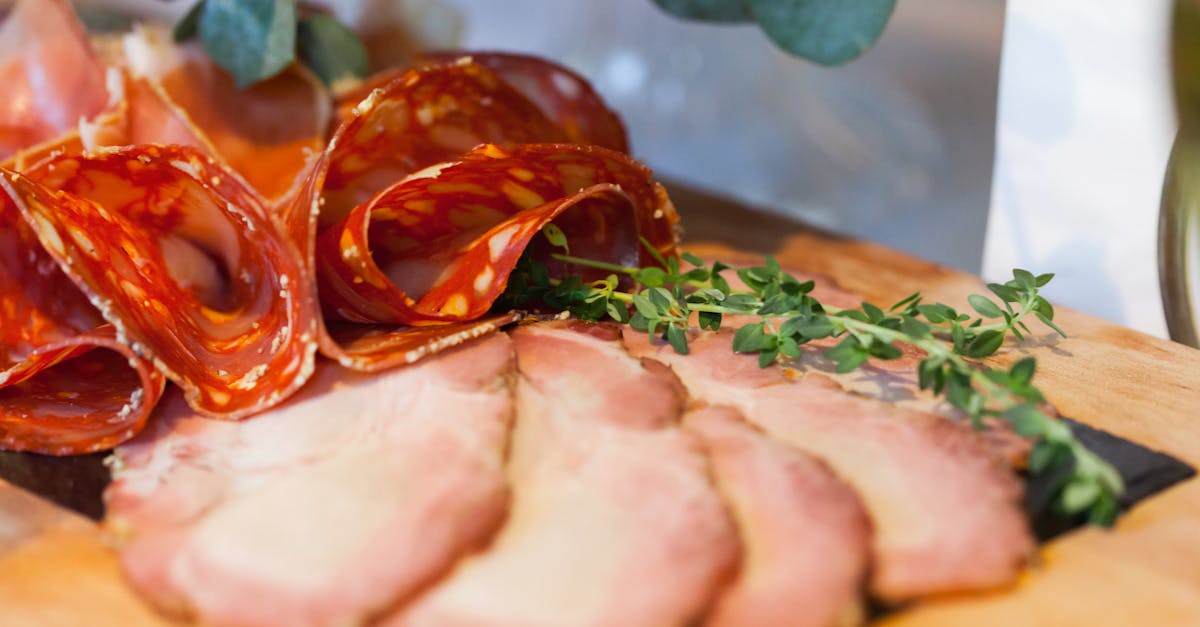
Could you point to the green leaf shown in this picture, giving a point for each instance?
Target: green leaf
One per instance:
(1026, 419)
(1025, 279)
(335, 53)
(710, 320)
(984, 307)
(1022, 371)
(874, 314)
(767, 357)
(1046, 321)
(1006, 293)
(904, 302)
(985, 344)
(1042, 279)
(1078, 495)
(914, 328)
(617, 311)
(677, 337)
(1043, 456)
(644, 307)
(829, 32)
(651, 277)
(551, 232)
(189, 26)
(1043, 307)
(253, 40)
(749, 339)
(707, 10)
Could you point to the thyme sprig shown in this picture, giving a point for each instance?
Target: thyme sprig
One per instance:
(664, 299)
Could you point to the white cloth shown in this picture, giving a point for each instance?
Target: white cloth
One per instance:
(1085, 125)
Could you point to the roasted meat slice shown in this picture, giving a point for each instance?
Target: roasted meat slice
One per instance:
(945, 507)
(805, 534)
(614, 520)
(326, 510)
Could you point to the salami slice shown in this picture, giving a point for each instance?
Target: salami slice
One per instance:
(419, 119)
(563, 95)
(51, 76)
(439, 248)
(186, 263)
(66, 385)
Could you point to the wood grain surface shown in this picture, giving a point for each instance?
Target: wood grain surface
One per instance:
(56, 570)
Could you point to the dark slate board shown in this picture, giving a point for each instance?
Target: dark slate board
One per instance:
(78, 482)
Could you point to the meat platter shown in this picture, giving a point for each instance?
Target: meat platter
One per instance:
(448, 465)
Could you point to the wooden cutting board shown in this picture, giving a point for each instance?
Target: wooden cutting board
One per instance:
(56, 570)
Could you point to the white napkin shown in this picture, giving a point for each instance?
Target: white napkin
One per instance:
(1085, 125)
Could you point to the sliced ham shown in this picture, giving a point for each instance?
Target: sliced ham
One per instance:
(805, 533)
(945, 507)
(332, 507)
(614, 521)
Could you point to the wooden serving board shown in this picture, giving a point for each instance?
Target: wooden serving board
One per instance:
(56, 570)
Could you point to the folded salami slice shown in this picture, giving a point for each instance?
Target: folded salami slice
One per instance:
(67, 386)
(51, 76)
(564, 96)
(186, 263)
(439, 248)
(421, 118)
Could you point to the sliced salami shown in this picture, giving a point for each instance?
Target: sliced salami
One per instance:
(66, 385)
(187, 265)
(439, 248)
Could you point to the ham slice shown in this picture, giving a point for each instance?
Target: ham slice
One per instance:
(945, 507)
(613, 521)
(805, 533)
(345, 500)
(50, 74)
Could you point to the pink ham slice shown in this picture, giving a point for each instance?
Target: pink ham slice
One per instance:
(613, 520)
(326, 510)
(804, 532)
(946, 509)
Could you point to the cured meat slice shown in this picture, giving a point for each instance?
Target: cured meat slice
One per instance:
(804, 531)
(186, 263)
(66, 385)
(422, 118)
(613, 521)
(350, 497)
(945, 508)
(439, 248)
(269, 132)
(375, 347)
(566, 97)
(140, 112)
(50, 74)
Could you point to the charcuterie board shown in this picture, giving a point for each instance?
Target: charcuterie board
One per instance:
(56, 569)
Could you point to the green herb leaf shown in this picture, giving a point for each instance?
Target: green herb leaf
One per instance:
(984, 344)
(677, 337)
(251, 39)
(984, 307)
(335, 53)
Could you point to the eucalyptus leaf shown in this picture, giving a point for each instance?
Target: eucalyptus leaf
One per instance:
(829, 32)
(189, 26)
(707, 10)
(253, 40)
(334, 53)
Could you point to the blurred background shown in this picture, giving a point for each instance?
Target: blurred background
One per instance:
(981, 134)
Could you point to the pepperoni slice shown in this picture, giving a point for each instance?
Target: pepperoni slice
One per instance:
(268, 132)
(66, 385)
(422, 118)
(439, 248)
(51, 76)
(186, 263)
(563, 95)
